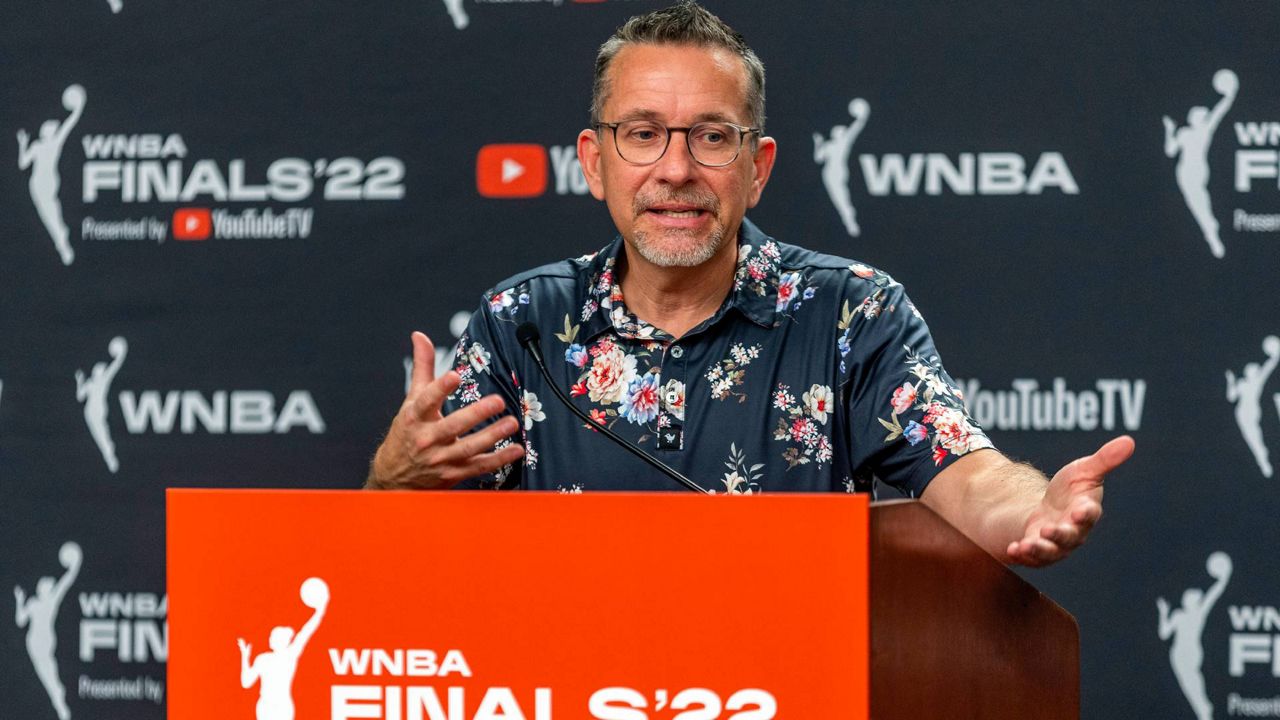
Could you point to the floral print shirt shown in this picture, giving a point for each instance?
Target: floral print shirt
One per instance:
(816, 374)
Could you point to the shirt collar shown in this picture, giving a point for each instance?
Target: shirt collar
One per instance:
(754, 294)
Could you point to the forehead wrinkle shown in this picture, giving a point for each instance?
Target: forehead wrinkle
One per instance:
(640, 114)
(654, 115)
(713, 116)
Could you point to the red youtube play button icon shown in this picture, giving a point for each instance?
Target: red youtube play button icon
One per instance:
(511, 170)
(192, 224)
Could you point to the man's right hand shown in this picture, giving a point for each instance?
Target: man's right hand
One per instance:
(425, 448)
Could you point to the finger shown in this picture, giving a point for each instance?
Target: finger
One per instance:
(477, 443)
(485, 463)
(1046, 552)
(1085, 513)
(464, 420)
(1019, 556)
(424, 362)
(1065, 535)
(1034, 552)
(427, 403)
(1039, 548)
(1107, 458)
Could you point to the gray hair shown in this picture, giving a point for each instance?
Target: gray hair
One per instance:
(685, 23)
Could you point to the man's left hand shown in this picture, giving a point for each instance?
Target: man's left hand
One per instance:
(1071, 506)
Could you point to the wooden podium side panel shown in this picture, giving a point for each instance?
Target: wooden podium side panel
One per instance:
(518, 605)
(958, 635)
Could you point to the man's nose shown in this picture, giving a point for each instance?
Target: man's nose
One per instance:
(676, 166)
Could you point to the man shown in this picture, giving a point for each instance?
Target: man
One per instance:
(710, 344)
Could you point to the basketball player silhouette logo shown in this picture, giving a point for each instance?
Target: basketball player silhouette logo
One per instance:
(1190, 144)
(274, 670)
(42, 155)
(37, 614)
(1246, 393)
(832, 153)
(92, 390)
(1185, 626)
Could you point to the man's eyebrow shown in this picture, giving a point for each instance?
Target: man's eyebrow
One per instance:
(639, 114)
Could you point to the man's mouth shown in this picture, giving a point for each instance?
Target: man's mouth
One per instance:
(677, 211)
(691, 213)
(686, 209)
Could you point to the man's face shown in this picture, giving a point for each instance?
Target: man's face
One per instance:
(675, 212)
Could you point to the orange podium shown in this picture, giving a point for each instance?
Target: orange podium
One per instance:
(453, 606)
(612, 606)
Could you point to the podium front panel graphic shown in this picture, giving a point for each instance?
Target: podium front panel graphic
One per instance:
(335, 604)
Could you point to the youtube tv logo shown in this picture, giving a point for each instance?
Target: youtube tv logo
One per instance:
(192, 224)
(511, 170)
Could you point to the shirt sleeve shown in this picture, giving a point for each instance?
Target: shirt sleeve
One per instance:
(480, 359)
(907, 419)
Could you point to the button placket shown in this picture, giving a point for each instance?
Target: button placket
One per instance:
(671, 435)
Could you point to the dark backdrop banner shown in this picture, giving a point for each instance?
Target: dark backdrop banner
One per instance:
(221, 221)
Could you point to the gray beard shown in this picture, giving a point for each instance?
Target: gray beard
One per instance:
(691, 257)
(688, 257)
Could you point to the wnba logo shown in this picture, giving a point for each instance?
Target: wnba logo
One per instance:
(1190, 145)
(1257, 158)
(42, 155)
(238, 412)
(273, 670)
(1185, 627)
(1246, 393)
(37, 615)
(928, 173)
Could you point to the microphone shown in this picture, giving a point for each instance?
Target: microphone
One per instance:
(527, 334)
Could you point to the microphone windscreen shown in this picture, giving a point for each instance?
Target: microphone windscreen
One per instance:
(527, 333)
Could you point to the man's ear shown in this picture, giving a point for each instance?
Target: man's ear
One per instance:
(589, 158)
(762, 161)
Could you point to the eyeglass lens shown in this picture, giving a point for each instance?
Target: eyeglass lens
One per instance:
(643, 142)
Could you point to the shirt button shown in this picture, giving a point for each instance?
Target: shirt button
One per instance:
(677, 352)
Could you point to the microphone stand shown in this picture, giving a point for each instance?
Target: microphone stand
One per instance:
(527, 334)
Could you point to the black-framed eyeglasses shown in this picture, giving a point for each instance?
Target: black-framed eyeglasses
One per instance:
(644, 142)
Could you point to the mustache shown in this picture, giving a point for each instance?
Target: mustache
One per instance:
(702, 201)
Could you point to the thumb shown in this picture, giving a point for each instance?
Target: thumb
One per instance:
(1114, 453)
(424, 362)
(1107, 458)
